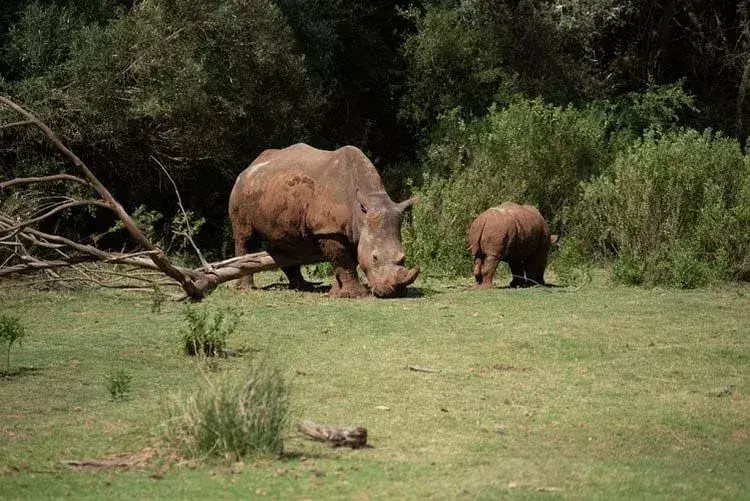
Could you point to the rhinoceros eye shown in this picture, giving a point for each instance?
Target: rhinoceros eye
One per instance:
(364, 209)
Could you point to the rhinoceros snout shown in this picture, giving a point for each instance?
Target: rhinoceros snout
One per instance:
(395, 282)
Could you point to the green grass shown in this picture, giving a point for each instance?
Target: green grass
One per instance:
(604, 393)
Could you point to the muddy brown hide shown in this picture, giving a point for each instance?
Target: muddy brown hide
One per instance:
(516, 234)
(312, 205)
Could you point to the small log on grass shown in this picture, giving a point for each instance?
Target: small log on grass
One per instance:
(335, 437)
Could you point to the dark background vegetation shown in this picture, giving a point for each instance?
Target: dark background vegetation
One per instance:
(625, 121)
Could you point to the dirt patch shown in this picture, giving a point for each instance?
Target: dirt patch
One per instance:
(13, 434)
(740, 436)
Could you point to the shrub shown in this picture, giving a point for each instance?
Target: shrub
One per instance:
(11, 332)
(673, 210)
(528, 153)
(118, 384)
(206, 332)
(231, 415)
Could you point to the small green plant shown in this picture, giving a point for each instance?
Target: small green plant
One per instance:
(571, 265)
(231, 415)
(118, 385)
(157, 299)
(205, 333)
(11, 332)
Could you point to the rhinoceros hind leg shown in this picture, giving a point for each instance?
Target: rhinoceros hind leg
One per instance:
(296, 280)
(241, 234)
(345, 282)
(519, 277)
(485, 267)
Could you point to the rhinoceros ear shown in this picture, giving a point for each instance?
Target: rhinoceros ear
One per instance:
(407, 203)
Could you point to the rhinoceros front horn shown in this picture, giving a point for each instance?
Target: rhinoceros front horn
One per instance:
(410, 277)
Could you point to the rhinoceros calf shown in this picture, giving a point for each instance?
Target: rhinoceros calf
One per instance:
(516, 234)
(312, 205)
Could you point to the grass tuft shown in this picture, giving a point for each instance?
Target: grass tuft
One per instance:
(231, 415)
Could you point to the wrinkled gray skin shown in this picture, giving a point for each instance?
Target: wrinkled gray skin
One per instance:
(312, 205)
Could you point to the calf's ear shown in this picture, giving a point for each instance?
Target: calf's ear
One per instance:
(553, 239)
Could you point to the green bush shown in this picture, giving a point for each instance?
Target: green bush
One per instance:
(231, 416)
(528, 153)
(205, 333)
(674, 209)
(118, 385)
(11, 332)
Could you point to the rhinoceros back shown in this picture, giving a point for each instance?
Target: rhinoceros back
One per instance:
(300, 191)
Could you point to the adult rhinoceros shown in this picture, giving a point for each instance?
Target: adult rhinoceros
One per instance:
(312, 205)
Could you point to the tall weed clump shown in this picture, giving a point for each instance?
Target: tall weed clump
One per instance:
(529, 152)
(231, 415)
(674, 209)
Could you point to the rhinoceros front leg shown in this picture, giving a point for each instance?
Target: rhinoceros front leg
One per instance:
(296, 280)
(345, 282)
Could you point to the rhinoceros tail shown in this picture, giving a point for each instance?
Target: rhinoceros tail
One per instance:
(475, 236)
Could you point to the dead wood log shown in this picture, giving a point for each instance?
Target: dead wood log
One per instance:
(354, 437)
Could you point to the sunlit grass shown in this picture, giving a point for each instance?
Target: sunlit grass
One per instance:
(604, 392)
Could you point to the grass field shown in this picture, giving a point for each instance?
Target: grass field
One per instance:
(607, 392)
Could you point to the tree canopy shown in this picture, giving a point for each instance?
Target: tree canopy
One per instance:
(204, 87)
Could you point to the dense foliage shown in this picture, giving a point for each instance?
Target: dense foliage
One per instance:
(470, 102)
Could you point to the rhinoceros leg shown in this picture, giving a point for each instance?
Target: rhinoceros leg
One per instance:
(517, 270)
(486, 266)
(240, 249)
(345, 282)
(535, 269)
(296, 280)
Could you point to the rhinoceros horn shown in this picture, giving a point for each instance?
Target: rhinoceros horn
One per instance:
(401, 207)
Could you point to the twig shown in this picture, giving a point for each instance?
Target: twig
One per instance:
(54, 211)
(16, 124)
(189, 233)
(422, 368)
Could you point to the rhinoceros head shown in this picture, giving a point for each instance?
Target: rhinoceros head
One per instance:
(379, 250)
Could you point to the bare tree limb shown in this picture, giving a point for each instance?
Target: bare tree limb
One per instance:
(30, 180)
(59, 208)
(16, 124)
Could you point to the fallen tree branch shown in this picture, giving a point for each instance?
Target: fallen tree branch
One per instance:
(44, 179)
(59, 208)
(20, 240)
(354, 437)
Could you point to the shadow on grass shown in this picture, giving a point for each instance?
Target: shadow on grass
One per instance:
(420, 292)
(317, 287)
(19, 372)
